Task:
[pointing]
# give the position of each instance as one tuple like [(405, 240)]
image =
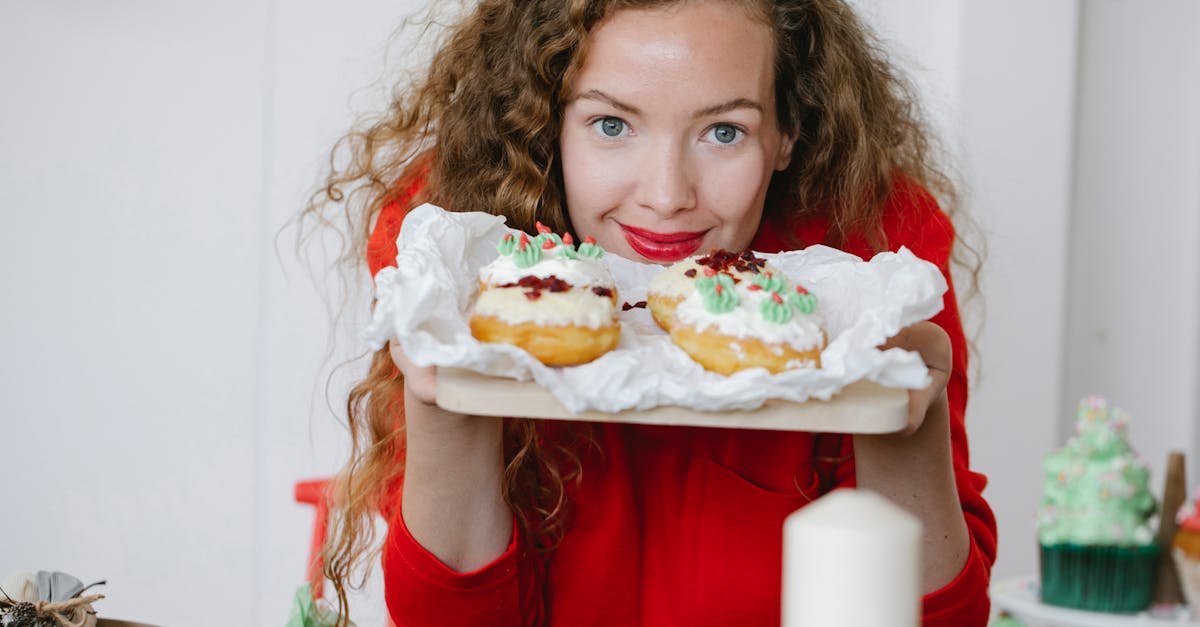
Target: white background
[(165, 362)]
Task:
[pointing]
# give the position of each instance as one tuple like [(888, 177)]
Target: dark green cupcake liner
[(1118, 579)]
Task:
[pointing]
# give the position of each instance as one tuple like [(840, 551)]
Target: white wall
[(162, 382)]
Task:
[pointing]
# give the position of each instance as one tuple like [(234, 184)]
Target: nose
[(665, 181)]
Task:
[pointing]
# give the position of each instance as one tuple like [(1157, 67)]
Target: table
[(1019, 596)]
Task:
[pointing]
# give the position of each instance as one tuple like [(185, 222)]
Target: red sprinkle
[(718, 288), (775, 297), (508, 237), (710, 272), (567, 239), (524, 241), (690, 273), (753, 287), (589, 240), (542, 228), (548, 244), (800, 289)]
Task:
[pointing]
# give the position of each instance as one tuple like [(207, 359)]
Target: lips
[(663, 247)]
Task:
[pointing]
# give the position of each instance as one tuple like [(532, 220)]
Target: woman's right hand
[(420, 382), (453, 500)]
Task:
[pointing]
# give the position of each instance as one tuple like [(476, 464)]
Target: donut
[(544, 295), (732, 311)]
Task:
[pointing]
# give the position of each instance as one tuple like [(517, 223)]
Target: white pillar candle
[(851, 558)]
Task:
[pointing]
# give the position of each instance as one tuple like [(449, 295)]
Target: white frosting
[(802, 332), (580, 307), (581, 272)]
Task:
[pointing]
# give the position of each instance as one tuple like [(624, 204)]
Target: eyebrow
[(724, 107)]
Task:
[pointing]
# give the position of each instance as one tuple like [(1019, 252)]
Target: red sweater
[(684, 525)]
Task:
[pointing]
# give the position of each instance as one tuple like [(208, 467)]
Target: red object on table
[(315, 493)]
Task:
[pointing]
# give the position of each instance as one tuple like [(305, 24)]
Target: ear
[(785, 153)]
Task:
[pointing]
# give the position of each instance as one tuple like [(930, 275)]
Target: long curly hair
[(481, 125)]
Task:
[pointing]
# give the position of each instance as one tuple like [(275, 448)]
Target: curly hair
[(481, 126)]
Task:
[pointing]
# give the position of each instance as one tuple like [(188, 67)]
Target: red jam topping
[(690, 273), (641, 304), (602, 291), (536, 286), (710, 272), (723, 260)]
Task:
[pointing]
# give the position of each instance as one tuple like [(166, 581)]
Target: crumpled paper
[(425, 302)]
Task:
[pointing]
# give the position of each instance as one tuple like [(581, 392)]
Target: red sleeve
[(381, 246), (421, 590), (913, 219)]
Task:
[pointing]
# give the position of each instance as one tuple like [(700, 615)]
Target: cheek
[(735, 191), (591, 181)]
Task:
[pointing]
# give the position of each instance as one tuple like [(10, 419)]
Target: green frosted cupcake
[(1098, 551)]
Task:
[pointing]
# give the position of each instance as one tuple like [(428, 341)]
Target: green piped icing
[(507, 245), (527, 256), (806, 303), (770, 282), (568, 251), (540, 239), (1095, 488), (777, 312), (589, 249), (718, 293)]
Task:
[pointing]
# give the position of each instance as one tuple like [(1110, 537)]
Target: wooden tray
[(862, 407)]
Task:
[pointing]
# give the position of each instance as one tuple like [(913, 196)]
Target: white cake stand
[(1019, 596)]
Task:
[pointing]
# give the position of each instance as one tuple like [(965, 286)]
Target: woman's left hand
[(932, 343), (914, 467)]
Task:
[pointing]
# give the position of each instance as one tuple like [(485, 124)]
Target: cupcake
[(1186, 552), (1098, 551)]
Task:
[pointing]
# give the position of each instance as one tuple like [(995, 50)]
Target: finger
[(420, 382)]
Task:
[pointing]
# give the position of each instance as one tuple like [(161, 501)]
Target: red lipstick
[(663, 247)]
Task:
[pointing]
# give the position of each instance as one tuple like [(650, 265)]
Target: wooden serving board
[(862, 407)]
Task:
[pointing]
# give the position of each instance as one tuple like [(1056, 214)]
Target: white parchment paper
[(425, 300)]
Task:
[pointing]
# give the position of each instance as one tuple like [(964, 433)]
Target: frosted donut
[(544, 295), (732, 312)]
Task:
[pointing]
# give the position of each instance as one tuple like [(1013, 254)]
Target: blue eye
[(725, 133), (611, 127)]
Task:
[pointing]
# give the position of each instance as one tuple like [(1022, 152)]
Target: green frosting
[(525, 257), (568, 251), (540, 239), (806, 303), (770, 282), (588, 249), (771, 311), (507, 245), (718, 293), (1096, 489)]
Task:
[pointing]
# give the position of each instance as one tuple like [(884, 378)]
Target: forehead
[(714, 44)]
